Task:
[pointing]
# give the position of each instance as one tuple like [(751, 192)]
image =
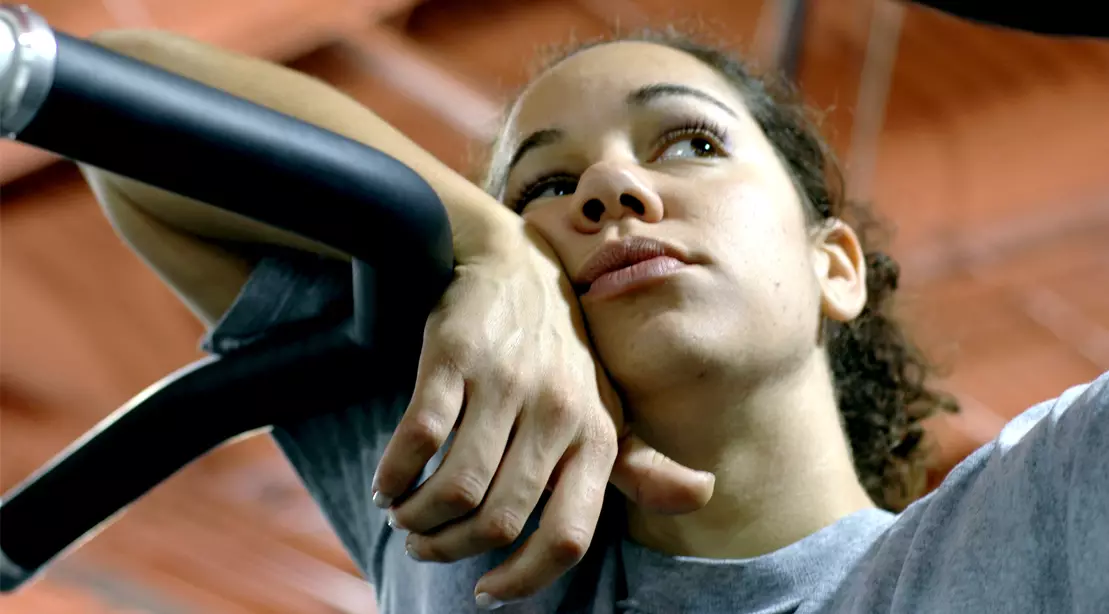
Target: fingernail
[(411, 552), (391, 518), (381, 500), (486, 601)]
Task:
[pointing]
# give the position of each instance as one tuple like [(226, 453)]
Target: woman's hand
[(507, 365)]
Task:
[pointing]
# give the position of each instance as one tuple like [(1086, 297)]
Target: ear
[(840, 270)]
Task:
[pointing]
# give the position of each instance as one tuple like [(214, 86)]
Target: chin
[(660, 349), (682, 351)]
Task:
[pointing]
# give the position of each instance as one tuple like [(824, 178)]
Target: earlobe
[(842, 272)]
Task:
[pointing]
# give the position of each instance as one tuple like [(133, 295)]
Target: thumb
[(654, 481)]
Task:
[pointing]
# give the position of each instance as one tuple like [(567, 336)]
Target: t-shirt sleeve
[(335, 452), (1021, 525)]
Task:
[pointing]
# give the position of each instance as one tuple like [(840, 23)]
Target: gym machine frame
[(89, 104)]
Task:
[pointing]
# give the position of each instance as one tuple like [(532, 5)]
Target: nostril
[(593, 209), (633, 203)]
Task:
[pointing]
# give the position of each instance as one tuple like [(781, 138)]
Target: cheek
[(754, 222), (552, 224), (758, 233), (540, 219)]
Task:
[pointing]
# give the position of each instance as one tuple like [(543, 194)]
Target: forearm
[(478, 221)]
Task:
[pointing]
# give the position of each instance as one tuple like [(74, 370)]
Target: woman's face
[(671, 212)]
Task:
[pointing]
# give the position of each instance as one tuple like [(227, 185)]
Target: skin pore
[(720, 364)]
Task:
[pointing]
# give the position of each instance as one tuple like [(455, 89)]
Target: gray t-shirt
[(1021, 525)]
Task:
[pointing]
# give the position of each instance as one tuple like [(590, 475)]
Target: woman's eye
[(694, 146), (554, 188)]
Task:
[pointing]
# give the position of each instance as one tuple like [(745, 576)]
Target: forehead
[(594, 83)]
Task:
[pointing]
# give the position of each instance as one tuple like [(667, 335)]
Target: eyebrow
[(639, 98), (534, 140), (649, 93)]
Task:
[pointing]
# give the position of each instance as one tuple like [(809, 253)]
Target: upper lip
[(615, 255)]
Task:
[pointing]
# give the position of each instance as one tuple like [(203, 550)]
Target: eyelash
[(698, 127)]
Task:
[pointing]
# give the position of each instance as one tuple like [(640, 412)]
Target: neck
[(782, 464)]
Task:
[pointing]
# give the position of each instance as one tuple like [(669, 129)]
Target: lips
[(622, 264)]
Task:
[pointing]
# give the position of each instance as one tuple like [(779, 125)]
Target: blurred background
[(988, 149)]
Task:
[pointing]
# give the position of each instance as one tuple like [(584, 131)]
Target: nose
[(609, 191)]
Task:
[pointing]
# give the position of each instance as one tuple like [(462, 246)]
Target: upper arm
[(205, 275)]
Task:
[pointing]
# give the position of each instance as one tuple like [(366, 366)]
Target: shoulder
[(1059, 417), (1005, 526)]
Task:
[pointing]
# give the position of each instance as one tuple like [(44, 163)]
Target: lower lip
[(633, 277)]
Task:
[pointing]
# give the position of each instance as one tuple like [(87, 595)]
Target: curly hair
[(880, 376)]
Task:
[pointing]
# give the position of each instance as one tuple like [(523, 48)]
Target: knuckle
[(606, 436), (499, 527), (457, 343), (607, 447), (463, 493), (506, 377), (569, 545), (560, 409), (532, 482), (425, 432)]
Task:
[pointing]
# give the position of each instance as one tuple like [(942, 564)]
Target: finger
[(517, 487), (459, 484), (563, 537), (426, 424), (656, 482)]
